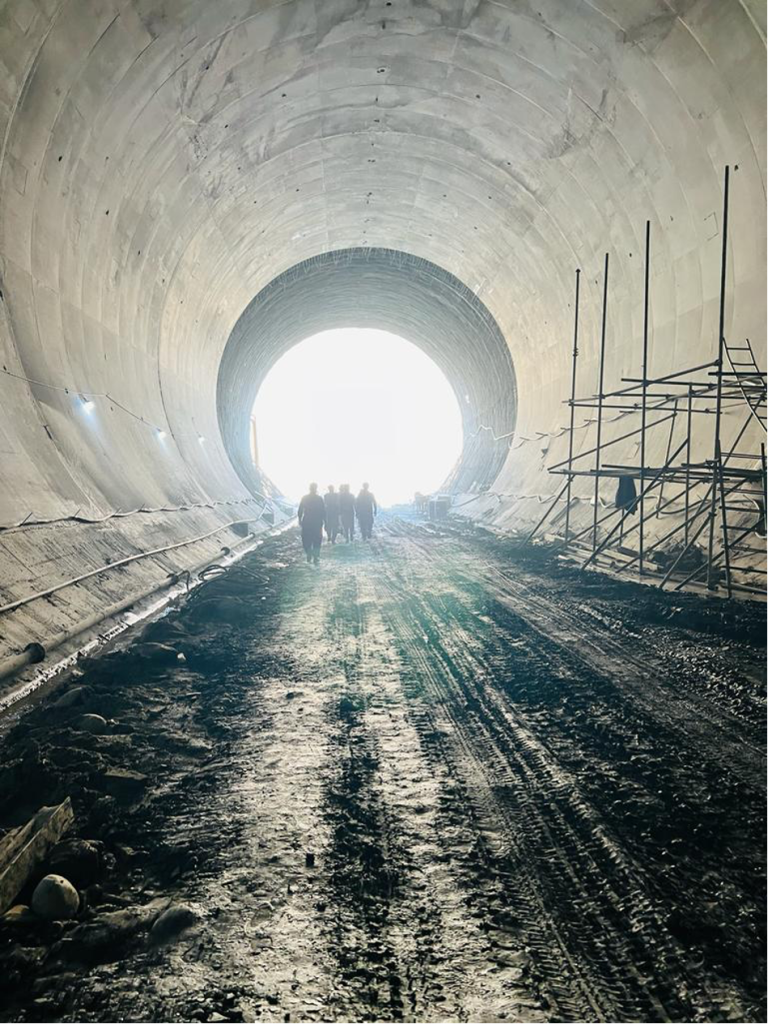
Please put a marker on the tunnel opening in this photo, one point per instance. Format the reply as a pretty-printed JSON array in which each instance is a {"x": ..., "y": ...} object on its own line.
[
  {"x": 356, "y": 405},
  {"x": 382, "y": 290}
]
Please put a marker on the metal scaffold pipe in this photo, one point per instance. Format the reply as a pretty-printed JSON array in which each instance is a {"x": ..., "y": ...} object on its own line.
[
  {"x": 572, "y": 404},
  {"x": 644, "y": 412},
  {"x": 719, "y": 364},
  {"x": 600, "y": 396}
]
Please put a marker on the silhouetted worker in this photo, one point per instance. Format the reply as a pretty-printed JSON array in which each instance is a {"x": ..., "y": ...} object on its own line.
[
  {"x": 331, "y": 514},
  {"x": 347, "y": 512},
  {"x": 311, "y": 521},
  {"x": 366, "y": 508}
]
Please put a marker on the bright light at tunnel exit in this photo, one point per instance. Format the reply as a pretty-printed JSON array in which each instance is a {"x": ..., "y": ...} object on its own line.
[{"x": 355, "y": 405}]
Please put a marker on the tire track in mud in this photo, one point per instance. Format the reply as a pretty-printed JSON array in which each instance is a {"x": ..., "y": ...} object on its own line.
[
  {"x": 411, "y": 942},
  {"x": 689, "y": 821},
  {"x": 699, "y": 767},
  {"x": 700, "y": 725},
  {"x": 361, "y": 872},
  {"x": 568, "y": 990},
  {"x": 616, "y": 927}
]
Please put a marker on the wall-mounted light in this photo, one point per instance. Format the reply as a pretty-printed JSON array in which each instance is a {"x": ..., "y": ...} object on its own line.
[
  {"x": 87, "y": 403},
  {"x": 201, "y": 439},
  {"x": 160, "y": 433}
]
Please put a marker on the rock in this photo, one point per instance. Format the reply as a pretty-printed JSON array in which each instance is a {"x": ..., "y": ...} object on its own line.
[
  {"x": 106, "y": 937},
  {"x": 123, "y": 784},
  {"x": 165, "y": 631},
  {"x": 174, "y": 920},
  {"x": 71, "y": 697},
  {"x": 20, "y": 965},
  {"x": 102, "y": 810},
  {"x": 227, "y": 608},
  {"x": 123, "y": 728},
  {"x": 126, "y": 852},
  {"x": 79, "y": 860},
  {"x": 91, "y": 723},
  {"x": 55, "y": 899},
  {"x": 92, "y": 896},
  {"x": 20, "y": 914},
  {"x": 162, "y": 654}
]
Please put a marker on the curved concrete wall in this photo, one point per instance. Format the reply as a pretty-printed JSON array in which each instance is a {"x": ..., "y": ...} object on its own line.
[
  {"x": 164, "y": 160},
  {"x": 393, "y": 291}
]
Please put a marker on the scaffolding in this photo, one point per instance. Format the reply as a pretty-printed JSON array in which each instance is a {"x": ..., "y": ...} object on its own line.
[{"x": 716, "y": 507}]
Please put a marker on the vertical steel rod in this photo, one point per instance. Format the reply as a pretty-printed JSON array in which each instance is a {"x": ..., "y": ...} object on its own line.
[
  {"x": 726, "y": 545},
  {"x": 720, "y": 353},
  {"x": 646, "y": 296},
  {"x": 573, "y": 408},
  {"x": 600, "y": 397},
  {"x": 688, "y": 463},
  {"x": 712, "y": 513}
]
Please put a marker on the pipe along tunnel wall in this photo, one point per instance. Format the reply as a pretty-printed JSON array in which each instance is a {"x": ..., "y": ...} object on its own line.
[{"x": 164, "y": 162}]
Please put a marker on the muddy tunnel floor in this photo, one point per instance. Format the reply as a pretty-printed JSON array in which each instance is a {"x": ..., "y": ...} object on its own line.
[{"x": 429, "y": 780}]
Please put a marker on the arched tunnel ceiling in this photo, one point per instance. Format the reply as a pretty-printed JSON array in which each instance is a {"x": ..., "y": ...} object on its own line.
[
  {"x": 164, "y": 160},
  {"x": 393, "y": 291}
]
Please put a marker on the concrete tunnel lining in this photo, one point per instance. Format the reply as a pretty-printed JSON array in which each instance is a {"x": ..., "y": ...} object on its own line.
[
  {"x": 392, "y": 291},
  {"x": 445, "y": 774},
  {"x": 162, "y": 163},
  {"x": 166, "y": 161}
]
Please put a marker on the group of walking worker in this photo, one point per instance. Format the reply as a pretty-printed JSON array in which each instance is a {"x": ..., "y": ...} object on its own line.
[{"x": 336, "y": 513}]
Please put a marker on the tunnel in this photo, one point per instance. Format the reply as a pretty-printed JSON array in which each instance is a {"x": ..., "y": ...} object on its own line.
[
  {"x": 176, "y": 175},
  {"x": 388, "y": 290},
  {"x": 562, "y": 204}
]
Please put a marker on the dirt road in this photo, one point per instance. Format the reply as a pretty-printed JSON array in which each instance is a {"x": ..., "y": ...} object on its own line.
[{"x": 427, "y": 781}]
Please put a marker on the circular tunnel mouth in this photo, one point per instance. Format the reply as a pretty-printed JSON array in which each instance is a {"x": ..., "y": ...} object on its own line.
[
  {"x": 392, "y": 291},
  {"x": 355, "y": 405}
]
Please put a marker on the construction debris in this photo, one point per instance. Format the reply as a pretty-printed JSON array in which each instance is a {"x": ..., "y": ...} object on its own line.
[
  {"x": 23, "y": 850},
  {"x": 106, "y": 937},
  {"x": 55, "y": 899}
]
